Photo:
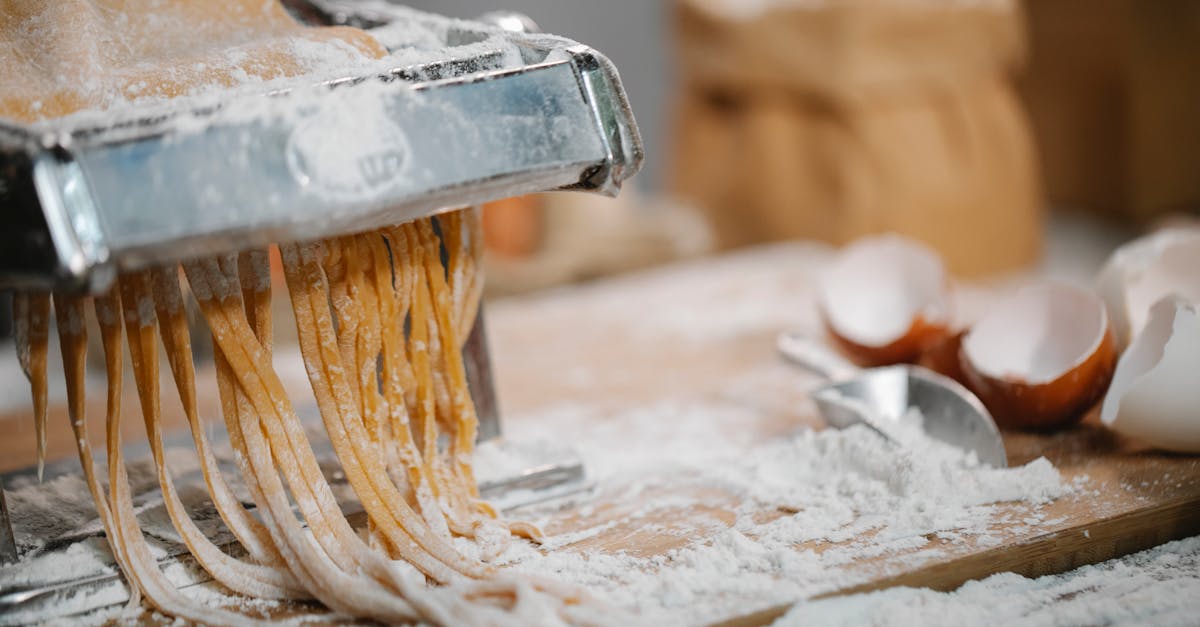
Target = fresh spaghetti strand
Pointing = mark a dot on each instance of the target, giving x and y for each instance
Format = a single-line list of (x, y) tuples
[(381, 319), (460, 407), (31, 331), (333, 568), (447, 288), (462, 235), (72, 340), (457, 411), (369, 339), (169, 308), (437, 607), (424, 422), (143, 569), (320, 349), (433, 383), (419, 395), (362, 464), (431, 371), (141, 327), (360, 351), (392, 294), (255, 273)]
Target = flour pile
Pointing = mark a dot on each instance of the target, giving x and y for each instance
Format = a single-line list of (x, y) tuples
[(754, 523), (1160, 587), (761, 524)]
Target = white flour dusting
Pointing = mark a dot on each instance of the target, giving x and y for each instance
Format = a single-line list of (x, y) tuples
[(414, 40), (1159, 587), (851, 492), (749, 509)]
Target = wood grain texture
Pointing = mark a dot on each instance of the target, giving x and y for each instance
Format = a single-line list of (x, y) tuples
[(1129, 497), (706, 330)]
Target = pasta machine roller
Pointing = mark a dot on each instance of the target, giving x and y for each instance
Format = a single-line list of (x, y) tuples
[(480, 114), (459, 113), (496, 114)]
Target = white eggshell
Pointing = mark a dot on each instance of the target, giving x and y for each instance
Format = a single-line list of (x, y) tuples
[(1140, 273), (1038, 334), (1155, 392), (877, 287)]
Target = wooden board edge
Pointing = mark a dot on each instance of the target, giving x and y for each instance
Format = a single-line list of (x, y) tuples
[(1049, 554)]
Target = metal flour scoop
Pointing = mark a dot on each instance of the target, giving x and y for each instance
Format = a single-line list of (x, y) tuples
[(881, 397)]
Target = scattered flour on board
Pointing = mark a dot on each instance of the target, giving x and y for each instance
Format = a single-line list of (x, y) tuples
[(700, 471), (853, 493), (1160, 586), (757, 521)]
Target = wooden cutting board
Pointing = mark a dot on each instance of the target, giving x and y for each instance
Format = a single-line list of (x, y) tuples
[(706, 330), (699, 330)]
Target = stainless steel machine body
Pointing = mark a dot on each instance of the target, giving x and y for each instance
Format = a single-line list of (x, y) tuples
[(500, 114), (458, 114)]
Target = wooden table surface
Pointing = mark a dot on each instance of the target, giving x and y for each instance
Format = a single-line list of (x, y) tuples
[(705, 330)]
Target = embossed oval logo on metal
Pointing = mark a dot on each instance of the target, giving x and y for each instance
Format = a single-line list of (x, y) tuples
[(348, 156)]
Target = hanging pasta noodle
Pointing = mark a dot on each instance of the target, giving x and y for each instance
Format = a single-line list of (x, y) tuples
[(393, 288), (380, 322), (342, 410), (381, 319), (259, 580), (333, 564), (169, 309), (31, 330), (139, 566)]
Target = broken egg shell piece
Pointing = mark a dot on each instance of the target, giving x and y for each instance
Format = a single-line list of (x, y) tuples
[(1040, 359), (1155, 393), (942, 356), (883, 299), (1143, 271)]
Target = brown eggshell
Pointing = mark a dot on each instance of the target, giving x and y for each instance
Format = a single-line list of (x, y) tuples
[(1062, 402), (943, 356), (906, 349), (884, 299), (1020, 401)]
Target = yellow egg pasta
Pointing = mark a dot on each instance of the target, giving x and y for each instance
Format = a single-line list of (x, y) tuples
[(381, 322)]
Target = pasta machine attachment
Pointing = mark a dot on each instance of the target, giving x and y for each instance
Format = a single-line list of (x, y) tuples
[(459, 113)]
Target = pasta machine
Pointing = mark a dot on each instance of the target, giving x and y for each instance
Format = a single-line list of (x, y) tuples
[(460, 113)]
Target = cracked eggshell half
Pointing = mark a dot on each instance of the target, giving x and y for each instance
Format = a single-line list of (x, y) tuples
[(942, 356), (884, 299), (1040, 359), (1155, 393), (1140, 273)]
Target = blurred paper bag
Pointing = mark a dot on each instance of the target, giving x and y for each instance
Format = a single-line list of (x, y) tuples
[(1115, 103), (835, 119)]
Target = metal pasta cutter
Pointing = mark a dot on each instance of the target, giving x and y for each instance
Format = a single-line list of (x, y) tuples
[(465, 112)]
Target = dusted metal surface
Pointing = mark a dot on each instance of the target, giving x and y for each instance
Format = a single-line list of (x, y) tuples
[(346, 155), (83, 203)]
